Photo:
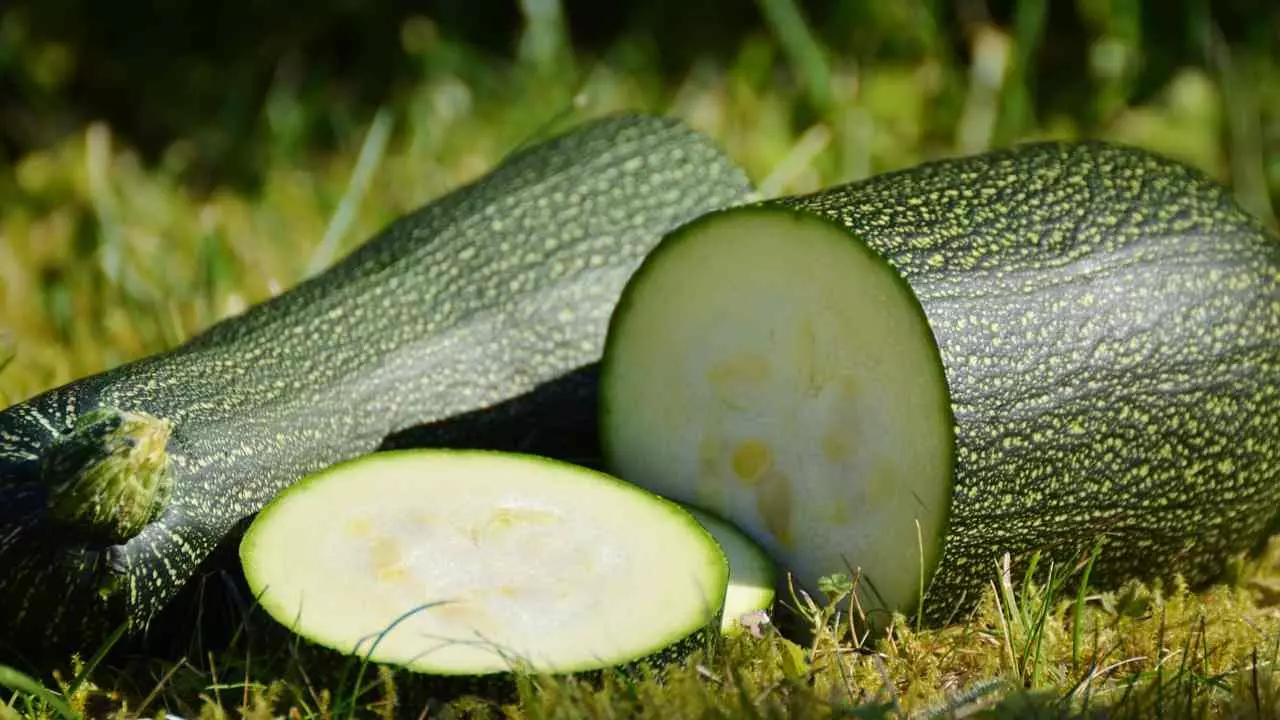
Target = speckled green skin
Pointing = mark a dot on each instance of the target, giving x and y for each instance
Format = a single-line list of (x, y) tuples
[(1109, 324), (475, 298)]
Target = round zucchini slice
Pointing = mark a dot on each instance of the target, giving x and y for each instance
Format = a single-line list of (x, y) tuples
[(452, 562), (765, 365)]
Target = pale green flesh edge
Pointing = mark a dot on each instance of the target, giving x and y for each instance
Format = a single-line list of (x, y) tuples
[(709, 397), (686, 539), (752, 573)]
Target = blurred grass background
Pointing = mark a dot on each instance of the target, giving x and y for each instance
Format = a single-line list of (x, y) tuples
[(164, 164)]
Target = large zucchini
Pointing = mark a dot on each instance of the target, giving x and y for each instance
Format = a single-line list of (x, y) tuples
[(908, 376), (114, 487)]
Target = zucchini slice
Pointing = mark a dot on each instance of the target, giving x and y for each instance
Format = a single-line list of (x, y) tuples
[(811, 407), (478, 562), (753, 575)]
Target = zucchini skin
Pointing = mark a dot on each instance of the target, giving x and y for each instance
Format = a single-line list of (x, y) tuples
[(1109, 325), (475, 298)]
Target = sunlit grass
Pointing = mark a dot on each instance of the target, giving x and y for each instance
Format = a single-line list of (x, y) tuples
[(103, 260), (1134, 652)]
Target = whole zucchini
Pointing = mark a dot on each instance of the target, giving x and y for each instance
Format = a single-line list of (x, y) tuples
[(113, 488)]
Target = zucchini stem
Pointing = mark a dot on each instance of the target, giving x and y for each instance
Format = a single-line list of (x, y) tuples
[(110, 474)]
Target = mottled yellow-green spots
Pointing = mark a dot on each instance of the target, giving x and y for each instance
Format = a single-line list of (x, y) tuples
[(387, 560), (1226, 466), (750, 460), (507, 518), (358, 527), (461, 612), (774, 503), (1013, 442), (731, 379)]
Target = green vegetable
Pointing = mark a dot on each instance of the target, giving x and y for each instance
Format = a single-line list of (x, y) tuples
[(476, 298), (110, 475), (468, 562), (752, 573), (906, 377), (558, 420)]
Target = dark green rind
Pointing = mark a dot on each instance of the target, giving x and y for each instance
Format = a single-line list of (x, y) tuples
[(1109, 322), (477, 297)]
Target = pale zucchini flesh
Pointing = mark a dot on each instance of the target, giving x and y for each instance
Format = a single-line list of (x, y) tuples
[(765, 365), (480, 562), (752, 573)]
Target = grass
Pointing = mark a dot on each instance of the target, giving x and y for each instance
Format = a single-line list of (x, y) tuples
[(1031, 650), (104, 258)]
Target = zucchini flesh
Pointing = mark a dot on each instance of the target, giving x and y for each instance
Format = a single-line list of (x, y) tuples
[(752, 573), (766, 366), (475, 562), (473, 300), (1107, 322)]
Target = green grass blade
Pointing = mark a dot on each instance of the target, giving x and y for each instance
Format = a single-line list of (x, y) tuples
[(371, 153), (803, 50), (96, 660), (8, 350), (1078, 619), (23, 683), (544, 43)]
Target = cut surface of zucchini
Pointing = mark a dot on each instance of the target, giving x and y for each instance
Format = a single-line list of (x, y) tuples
[(752, 573), (766, 365), (482, 562)]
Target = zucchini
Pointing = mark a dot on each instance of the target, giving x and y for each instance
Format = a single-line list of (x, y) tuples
[(114, 487), (481, 563), (906, 377), (558, 420), (752, 573)]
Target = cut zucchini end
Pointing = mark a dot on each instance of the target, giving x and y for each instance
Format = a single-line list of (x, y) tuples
[(110, 475), (753, 576), (764, 364), (452, 562)]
